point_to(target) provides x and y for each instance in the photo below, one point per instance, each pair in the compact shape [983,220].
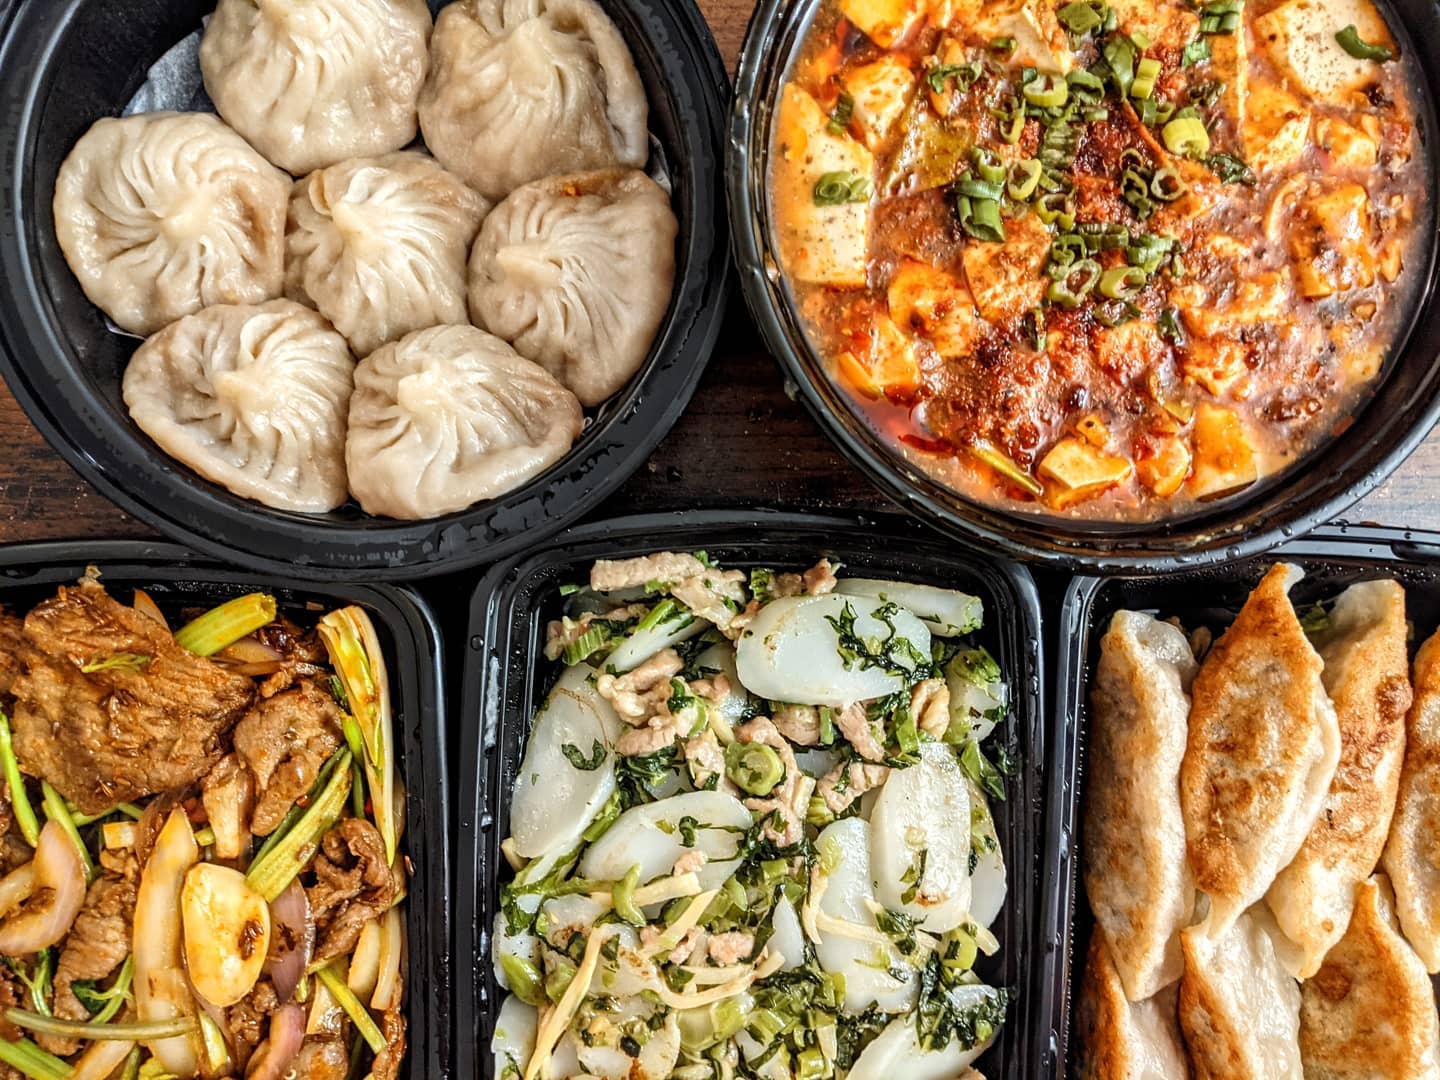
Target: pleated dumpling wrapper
[1136,873]
[520,89]
[251,397]
[314,83]
[576,272]
[1262,750]
[1412,854]
[379,246]
[162,214]
[1367,677]
[1369,1012]
[448,416]
[1239,1007]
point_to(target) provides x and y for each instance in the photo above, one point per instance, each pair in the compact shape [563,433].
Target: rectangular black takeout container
[1333,558]
[508,676]
[177,578]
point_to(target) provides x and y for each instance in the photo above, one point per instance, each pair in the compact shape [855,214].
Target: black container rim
[1375,544]
[112,456]
[482,702]
[1273,513]
[403,618]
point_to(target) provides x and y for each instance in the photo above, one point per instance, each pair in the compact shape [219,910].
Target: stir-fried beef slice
[14,851]
[149,717]
[285,739]
[388,1061]
[12,995]
[320,1058]
[353,884]
[228,794]
[249,1020]
[97,944]
[12,641]
[302,655]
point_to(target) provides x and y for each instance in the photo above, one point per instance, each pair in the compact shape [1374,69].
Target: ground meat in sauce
[1232,379]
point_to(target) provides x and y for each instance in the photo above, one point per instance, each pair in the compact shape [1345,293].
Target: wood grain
[742,442]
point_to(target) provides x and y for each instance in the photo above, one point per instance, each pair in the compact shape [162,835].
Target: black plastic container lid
[1396,420]
[66,63]
[176,578]
[507,677]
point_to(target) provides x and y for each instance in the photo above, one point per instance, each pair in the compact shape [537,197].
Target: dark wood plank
[742,442]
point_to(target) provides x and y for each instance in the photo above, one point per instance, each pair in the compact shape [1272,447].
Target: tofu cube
[1079,471]
[1224,456]
[1299,35]
[881,91]
[823,245]
[884,22]
[1276,130]
[936,305]
[1005,278]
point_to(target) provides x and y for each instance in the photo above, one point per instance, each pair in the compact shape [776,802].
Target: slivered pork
[353,884]
[148,717]
[97,944]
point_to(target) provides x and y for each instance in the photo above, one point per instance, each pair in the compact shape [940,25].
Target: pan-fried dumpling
[162,214]
[1124,1040]
[1136,874]
[521,89]
[253,398]
[448,416]
[1239,1008]
[1412,854]
[1369,1012]
[1262,750]
[1366,676]
[576,273]
[379,246]
[315,82]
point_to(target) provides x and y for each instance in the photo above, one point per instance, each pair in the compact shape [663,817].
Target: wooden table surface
[741,442]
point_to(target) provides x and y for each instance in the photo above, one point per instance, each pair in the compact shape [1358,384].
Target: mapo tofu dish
[1107,259]
[200,845]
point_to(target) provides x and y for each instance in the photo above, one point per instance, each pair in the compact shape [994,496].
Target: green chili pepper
[754,767]
[1166,184]
[1058,209]
[1352,43]
[1024,179]
[1186,136]
[988,166]
[1122,282]
[1077,283]
[1047,92]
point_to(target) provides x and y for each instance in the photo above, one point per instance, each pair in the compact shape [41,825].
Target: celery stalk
[24,1056]
[19,801]
[221,627]
[277,865]
[359,1015]
[359,662]
[56,811]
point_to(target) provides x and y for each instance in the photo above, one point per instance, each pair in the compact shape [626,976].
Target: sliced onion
[250,650]
[146,606]
[57,867]
[292,939]
[102,1059]
[365,960]
[162,991]
[390,983]
[287,1033]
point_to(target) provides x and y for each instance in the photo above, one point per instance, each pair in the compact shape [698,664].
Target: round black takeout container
[66,63]
[1403,409]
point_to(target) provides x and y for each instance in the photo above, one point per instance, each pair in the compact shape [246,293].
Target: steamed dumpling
[253,398]
[576,273]
[312,82]
[521,89]
[162,214]
[379,246]
[448,416]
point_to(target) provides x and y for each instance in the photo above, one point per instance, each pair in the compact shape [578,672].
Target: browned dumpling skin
[1369,1012]
[1239,1008]
[1124,1040]
[1412,854]
[1366,675]
[1136,874]
[1262,750]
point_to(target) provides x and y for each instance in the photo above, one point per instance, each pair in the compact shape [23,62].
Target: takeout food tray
[1333,558]
[1387,428]
[177,578]
[66,63]
[507,676]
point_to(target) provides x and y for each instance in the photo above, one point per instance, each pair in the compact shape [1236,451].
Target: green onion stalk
[15,783]
[25,1057]
[359,1015]
[58,812]
[355,653]
[221,627]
